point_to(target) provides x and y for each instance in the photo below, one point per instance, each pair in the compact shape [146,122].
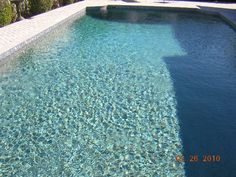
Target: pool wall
[206,11]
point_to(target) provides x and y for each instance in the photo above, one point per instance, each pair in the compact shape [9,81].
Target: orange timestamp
[197,158]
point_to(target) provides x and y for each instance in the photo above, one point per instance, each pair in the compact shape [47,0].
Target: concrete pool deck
[18,35]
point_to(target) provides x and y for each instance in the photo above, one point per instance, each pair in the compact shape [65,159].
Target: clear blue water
[121,94]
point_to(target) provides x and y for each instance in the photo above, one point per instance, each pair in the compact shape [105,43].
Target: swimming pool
[122,94]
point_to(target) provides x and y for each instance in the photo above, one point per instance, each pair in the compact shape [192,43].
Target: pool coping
[67,14]
[20,47]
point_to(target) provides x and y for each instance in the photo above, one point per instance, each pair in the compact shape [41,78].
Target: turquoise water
[94,99]
[121,94]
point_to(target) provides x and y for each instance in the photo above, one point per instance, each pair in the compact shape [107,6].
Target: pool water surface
[121,94]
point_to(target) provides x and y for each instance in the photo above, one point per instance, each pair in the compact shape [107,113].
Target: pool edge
[82,11]
[24,44]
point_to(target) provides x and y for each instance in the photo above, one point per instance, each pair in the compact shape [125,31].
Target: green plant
[25,8]
[56,4]
[61,2]
[66,2]
[14,12]
[40,6]
[5,12]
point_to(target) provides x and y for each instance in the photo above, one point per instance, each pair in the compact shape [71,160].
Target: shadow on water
[204,81]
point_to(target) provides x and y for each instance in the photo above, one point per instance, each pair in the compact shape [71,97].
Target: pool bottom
[107,110]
